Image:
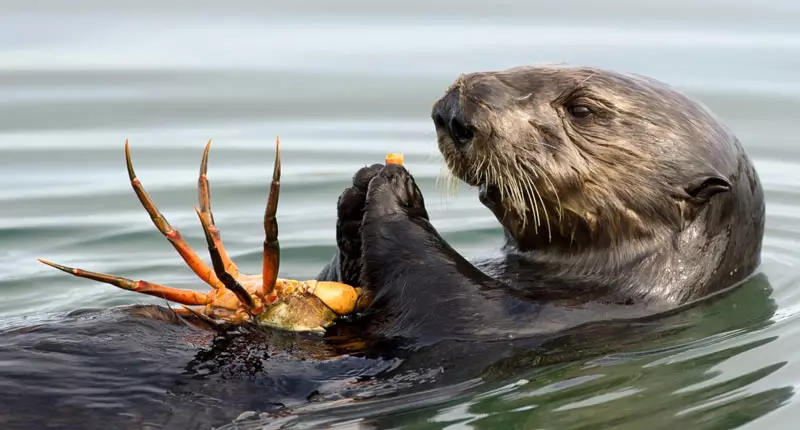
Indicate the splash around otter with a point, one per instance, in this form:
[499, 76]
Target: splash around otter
[619, 197]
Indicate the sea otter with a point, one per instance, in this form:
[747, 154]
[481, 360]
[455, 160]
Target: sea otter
[618, 195]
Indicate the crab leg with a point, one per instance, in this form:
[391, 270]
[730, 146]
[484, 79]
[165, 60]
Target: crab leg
[272, 249]
[204, 196]
[186, 297]
[227, 279]
[191, 258]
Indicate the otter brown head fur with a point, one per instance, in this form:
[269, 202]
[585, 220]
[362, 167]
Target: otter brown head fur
[603, 170]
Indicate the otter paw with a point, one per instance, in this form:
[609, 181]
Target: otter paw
[350, 212]
[394, 192]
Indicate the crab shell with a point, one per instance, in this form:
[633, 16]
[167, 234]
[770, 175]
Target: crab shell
[298, 313]
[310, 305]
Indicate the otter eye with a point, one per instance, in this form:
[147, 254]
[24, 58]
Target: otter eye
[579, 111]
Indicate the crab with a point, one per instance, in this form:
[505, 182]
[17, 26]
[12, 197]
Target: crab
[235, 297]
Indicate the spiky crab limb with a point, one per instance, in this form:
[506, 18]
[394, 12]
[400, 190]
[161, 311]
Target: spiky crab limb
[235, 297]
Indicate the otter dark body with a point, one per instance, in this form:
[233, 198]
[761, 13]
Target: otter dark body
[619, 197]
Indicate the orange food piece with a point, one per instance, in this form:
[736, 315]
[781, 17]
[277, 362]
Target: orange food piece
[394, 158]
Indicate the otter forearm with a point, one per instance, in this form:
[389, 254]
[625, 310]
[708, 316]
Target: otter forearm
[426, 287]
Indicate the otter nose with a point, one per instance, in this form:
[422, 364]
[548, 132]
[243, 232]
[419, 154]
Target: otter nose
[448, 116]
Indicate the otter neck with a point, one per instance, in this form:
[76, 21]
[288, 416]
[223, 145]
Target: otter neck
[571, 234]
[625, 260]
[588, 245]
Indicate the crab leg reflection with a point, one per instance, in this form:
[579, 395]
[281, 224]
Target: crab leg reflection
[186, 297]
[197, 265]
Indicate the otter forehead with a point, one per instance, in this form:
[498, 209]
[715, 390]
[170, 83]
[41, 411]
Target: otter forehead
[642, 110]
[504, 88]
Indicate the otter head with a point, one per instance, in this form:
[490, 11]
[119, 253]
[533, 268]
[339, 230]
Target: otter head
[574, 159]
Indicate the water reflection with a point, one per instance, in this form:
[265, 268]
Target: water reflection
[342, 84]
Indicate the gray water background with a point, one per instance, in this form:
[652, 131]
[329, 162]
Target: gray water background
[343, 83]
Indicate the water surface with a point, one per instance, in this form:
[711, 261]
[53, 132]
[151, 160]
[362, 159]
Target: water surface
[342, 84]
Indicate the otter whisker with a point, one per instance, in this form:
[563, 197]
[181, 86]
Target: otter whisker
[546, 213]
[526, 184]
[509, 185]
[555, 192]
[530, 195]
[544, 207]
[531, 179]
[494, 176]
[519, 185]
[525, 97]
[480, 166]
[547, 145]
[499, 179]
[445, 178]
[486, 174]
[452, 183]
[517, 195]
[593, 74]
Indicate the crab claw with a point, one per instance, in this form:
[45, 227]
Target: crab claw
[341, 298]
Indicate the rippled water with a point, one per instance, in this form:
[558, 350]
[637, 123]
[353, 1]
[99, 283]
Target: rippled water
[343, 83]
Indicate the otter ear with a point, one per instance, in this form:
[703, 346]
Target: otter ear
[702, 188]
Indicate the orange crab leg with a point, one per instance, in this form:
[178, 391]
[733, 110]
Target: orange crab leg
[204, 196]
[186, 297]
[272, 250]
[197, 265]
[227, 279]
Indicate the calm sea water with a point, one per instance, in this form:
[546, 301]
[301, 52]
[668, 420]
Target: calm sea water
[343, 83]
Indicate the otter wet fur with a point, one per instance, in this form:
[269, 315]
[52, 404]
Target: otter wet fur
[627, 209]
[619, 197]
